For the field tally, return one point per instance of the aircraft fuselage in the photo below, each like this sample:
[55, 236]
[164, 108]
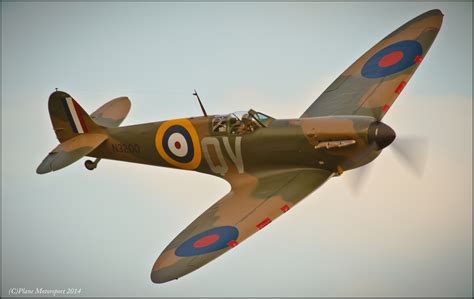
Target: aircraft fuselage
[336, 143]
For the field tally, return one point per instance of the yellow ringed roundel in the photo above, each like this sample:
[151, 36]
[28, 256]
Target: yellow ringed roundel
[178, 143]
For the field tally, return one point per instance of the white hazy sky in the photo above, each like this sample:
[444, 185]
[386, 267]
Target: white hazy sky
[101, 231]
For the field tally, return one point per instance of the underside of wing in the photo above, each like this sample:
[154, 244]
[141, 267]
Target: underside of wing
[252, 203]
[370, 85]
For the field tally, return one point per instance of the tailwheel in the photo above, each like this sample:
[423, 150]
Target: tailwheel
[91, 165]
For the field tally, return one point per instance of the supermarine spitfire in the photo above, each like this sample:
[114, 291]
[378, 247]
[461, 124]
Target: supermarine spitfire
[271, 164]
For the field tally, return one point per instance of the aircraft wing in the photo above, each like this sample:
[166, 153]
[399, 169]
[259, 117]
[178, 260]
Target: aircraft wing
[252, 203]
[370, 85]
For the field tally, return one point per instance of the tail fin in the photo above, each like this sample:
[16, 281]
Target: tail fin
[68, 118]
[77, 133]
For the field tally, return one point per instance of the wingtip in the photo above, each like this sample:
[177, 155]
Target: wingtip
[161, 274]
[155, 278]
[435, 12]
[431, 13]
[159, 278]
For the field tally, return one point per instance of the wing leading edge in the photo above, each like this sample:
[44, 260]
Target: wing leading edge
[251, 204]
[372, 83]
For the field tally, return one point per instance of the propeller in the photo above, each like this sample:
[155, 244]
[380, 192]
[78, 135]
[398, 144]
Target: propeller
[358, 177]
[410, 151]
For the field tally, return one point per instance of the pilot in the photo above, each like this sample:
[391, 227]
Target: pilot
[246, 125]
[234, 125]
[252, 124]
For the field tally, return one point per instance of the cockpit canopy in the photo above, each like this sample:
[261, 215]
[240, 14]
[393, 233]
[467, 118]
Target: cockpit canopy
[241, 122]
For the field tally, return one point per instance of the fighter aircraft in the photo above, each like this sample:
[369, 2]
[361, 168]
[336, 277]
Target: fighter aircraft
[271, 164]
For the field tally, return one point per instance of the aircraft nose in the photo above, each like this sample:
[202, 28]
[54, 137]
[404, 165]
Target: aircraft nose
[381, 134]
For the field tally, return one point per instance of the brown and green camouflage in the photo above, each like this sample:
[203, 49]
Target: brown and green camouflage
[270, 164]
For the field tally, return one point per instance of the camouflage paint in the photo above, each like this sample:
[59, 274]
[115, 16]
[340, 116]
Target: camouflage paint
[270, 169]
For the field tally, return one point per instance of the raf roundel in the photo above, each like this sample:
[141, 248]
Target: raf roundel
[177, 142]
[208, 241]
[392, 59]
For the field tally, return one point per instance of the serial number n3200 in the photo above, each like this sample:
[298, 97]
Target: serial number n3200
[126, 148]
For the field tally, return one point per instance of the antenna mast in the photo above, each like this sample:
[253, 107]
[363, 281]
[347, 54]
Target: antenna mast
[200, 103]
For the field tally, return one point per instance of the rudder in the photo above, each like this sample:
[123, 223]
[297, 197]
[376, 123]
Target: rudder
[68, 118]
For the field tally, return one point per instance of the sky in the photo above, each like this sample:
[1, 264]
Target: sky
[101, 231]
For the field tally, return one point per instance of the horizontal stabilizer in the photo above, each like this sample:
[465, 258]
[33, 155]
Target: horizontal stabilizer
[70, 151]
[112, 113]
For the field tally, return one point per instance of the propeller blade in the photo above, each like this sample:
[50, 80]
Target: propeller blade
[412, 151]
[357, 178]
